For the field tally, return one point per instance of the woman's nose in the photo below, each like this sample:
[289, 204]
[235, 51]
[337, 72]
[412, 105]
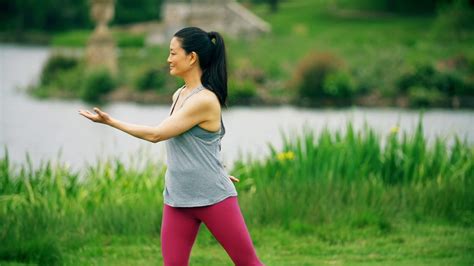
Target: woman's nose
[168, 60]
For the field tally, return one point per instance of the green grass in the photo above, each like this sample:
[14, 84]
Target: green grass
[376, 50]
[346, 198]
[409, 244]
[79, 38]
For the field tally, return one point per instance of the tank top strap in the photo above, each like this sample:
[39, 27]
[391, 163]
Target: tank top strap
[222, 133]
[174, 104]
[194, 91]
[223, 127]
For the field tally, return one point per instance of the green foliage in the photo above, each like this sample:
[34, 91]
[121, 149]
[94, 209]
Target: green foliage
[320, 75]
[455, 20]
[61, 76]
[422, 74]
[394, 6]
[339, 85]
[50, 209]
[60, 15]
[97, 82]
[79, 38]
[125, 39]
[56, 64]
[241, 91]
[424, 97]
[128, 11]
[428, 85]
[345, 175]
[151, 78]
[74, 38]
[49, 15]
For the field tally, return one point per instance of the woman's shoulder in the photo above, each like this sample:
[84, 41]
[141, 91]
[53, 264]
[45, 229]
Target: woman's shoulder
[205, 100]
[209, 97]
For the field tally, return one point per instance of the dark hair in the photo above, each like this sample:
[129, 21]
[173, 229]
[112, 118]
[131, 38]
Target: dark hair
[212, 58]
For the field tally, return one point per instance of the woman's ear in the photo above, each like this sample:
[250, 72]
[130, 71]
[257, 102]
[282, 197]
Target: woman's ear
[193, 58]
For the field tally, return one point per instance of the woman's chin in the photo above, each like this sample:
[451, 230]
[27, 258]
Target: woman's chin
[172, 72]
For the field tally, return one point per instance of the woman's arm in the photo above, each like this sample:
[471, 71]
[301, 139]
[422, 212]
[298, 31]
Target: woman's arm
[196, 111]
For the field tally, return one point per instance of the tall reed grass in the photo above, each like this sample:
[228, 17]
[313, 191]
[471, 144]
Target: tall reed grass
[46, 210]
[360, 178]
[338, 179]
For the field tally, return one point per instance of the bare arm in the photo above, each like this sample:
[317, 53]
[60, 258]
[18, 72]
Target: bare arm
[194, 112]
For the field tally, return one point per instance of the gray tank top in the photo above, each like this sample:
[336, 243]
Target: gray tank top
[195, 175]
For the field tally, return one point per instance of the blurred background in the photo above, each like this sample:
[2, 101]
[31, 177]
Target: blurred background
[368, 93]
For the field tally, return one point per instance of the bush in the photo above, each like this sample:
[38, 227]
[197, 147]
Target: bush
[97, 83]
[339, 85]
[422, 74]
[459, 72]
[151, 78]
[67, 82]
[320, 75]
[55, 64]
[455, 20]
[241, 92]
[424, 97]
[449, 82]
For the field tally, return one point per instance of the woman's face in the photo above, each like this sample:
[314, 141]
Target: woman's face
[179, 61]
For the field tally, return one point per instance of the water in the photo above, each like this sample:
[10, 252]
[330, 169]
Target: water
[53, 130]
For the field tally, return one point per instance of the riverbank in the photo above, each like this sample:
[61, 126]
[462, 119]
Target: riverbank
[413, 66]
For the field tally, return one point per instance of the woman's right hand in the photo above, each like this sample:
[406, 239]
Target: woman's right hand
[100, 117]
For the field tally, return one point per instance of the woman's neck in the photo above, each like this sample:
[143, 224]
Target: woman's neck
[192, 79]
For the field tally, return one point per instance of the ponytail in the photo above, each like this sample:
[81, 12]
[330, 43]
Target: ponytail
[215, 75]
[212, 58]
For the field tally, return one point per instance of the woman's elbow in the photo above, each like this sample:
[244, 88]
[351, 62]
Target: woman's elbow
[158, 137]
[155, 139]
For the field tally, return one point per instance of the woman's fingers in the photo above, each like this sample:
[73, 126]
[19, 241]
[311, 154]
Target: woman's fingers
[234, 179]
[103, 116]
[89, 115]
[97, 110]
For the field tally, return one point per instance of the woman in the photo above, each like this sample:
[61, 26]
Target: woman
[197, 187]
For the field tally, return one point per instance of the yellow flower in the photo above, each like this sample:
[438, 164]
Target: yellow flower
[394, 130]
[283, 156]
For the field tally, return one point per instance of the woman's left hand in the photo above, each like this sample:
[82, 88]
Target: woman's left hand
[99, 117]
[233, 179]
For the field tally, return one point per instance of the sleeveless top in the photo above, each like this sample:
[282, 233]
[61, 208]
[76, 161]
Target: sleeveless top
[195, 175]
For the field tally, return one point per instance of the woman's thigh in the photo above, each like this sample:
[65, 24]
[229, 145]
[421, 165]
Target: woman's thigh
[225, 221]
[178, 233]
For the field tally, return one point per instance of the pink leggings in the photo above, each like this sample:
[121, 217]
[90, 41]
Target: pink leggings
[224, 220]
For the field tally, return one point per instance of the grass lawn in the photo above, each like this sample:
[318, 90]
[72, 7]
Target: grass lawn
[407, 244]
